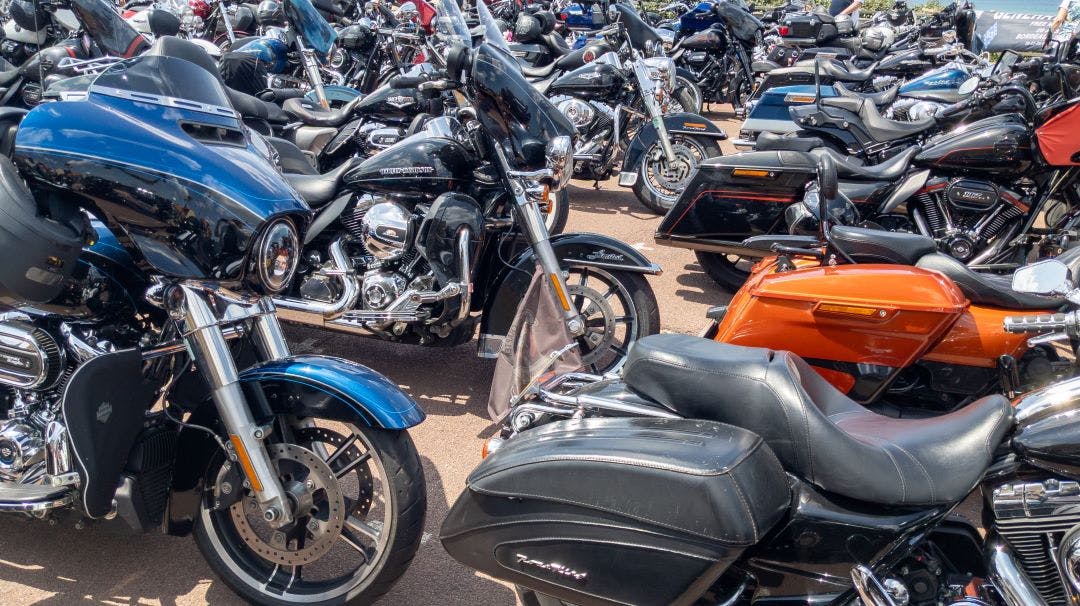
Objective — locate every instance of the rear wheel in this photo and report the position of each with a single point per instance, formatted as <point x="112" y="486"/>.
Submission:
<point x="729" y="271"/>
<point x="619" y="307"/>
<point x="689" y="94"/>
<point x="358" y="501"/>
<point x="660" y="183"/>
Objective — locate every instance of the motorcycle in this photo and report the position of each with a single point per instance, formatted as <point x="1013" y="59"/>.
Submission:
<point x="146" y="376"/>
<point x="443" y="230"/>
<point x="610" y="104"/>
<point x="976" y="191"/>
<point x="715" y="42"/>
<point x="715" y="474"/>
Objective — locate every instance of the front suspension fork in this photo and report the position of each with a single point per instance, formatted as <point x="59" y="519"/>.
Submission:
<point x="206" y="343"/>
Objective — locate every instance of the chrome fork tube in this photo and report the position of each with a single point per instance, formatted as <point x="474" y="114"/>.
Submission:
<point x="208" y="347"/>
<point x="269" y="338"/>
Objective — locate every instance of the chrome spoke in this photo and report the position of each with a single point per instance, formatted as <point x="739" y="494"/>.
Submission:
<point x="358" y="525"/>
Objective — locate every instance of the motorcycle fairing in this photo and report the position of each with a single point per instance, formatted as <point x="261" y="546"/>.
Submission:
<point x="1057" y="139"/>
<point x="677" y="123"/>
<point x="334" y="388"/>
<point x="573" y="250"/>
<point x="104" y="407"/>
<point x="312" y="26"/>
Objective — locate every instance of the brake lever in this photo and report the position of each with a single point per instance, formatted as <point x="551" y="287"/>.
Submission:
<point x="1047" y="338"/>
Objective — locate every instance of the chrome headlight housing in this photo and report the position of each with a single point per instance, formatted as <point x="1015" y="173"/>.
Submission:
<point x="559" y="158"/>
<point x="662" y="71"/>
<point x="277" y="251"/>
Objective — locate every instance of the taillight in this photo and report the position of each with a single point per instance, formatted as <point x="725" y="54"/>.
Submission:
<point x="784" y="30"/>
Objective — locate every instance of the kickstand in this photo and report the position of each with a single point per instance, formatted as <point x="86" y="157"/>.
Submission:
<point x="596" y="185"/>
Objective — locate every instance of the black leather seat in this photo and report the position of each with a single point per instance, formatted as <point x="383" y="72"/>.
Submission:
<point x="317" y="190"/>
<point x="987" y="289"/>
<point x="879" y="246"/>
<point x="555" y="43"/>
<point x="880" y="128"/>
<point x="818" y="433"/>
<point x="291" y="158"/>
<point x="839" y="70"/>
<point x="768" y="141"/>
<point x="539" y="72"/>
<point x="312" y="114"/>
<point x="847" y="167"/>
<point x="877" y="98"/>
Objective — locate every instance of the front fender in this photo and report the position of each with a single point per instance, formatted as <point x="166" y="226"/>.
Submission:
<point x="680" y="123"/>
<point x="573" y="250"/>
<point x="356" y="393"/>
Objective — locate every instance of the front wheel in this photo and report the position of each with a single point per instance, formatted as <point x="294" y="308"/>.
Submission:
<point x="689" y="94"/>
<point x="660" y="183"/>
<point x="619" y="307"/>
<point x="729" y="271"/>
<point x="358" y="502"/>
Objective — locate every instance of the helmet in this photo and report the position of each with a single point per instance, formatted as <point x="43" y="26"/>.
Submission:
<point x="527" y="29"/>
<point x="27" y="15"/>
<point x="356" y="37"/>
<point x="270" y="12"/>
<point x="547" y="21"/>
<point x="42" y="251"/>
<point x="875" y="39"/>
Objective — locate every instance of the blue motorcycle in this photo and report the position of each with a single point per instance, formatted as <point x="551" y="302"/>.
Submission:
<point x="145" y="374"/>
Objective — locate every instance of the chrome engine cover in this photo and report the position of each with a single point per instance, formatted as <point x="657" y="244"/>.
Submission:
<point x="21" y="448"/>
<point x="580" y="113"/>
<point x="385" y="230"/>
<point x="30" y="358"/>
<point x="1038" y="519"/>
<point x="381" y="289"/>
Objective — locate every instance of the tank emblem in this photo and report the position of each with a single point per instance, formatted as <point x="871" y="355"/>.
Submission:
<point x="400" y="101"/>
<point x="557" y="569"/>
<point x="407" y="170"/>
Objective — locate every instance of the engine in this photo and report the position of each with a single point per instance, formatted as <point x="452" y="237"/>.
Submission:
<point x="967" y="216"/>
<point x="596" y="123"/>
<point x="1041" y="522"/>
<point x="913" y="110"/>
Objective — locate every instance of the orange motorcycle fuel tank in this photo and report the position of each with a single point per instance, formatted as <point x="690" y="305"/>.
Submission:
<point x="860" y="326"/>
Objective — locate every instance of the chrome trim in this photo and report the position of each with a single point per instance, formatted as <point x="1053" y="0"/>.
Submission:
<point x="870" y="590"/>
<point x="652" y="268"/>
<point x="464" y="273"/>
<point x="128" y="95"/>
<point x="350" y="291"/>
<point x="1008" y="578"/>
<point x="57" y="453"/>
<point x="1047" y="401"/>
<point x="592" y="402"/>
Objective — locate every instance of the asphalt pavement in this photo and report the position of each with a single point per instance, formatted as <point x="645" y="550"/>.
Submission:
<point x="107" y="564"/>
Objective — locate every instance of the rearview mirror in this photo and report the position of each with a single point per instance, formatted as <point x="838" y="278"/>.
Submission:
<point x="1050" y="277"/>
<point x="968" y="86"/>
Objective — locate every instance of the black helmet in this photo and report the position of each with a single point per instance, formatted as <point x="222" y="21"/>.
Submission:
<point x="270" y="12"/>
<point x="527" y="29"/>
<point x="27" y="15"/>
<point x="163" y="22"/>
<point x="42" y="249"/>
<point x="547" y="21"/>
<point x="357" y="37"/>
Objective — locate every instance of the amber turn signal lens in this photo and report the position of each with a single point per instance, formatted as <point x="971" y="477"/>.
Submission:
<point x="746" y="172"/>
<point x="851" y="310"/>
<point x="559" y="291"/>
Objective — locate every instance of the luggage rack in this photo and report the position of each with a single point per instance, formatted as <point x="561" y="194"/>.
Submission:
<point x="87" y="66"/>
<point x="560" y="396"/>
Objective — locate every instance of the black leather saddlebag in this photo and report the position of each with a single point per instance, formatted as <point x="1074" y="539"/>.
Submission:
<point x="618" y="511"/>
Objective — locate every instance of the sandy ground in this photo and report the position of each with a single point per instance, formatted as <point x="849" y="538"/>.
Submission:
<point x="106" y="564"/>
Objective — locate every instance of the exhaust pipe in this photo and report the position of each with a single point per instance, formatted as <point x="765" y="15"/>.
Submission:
<point x="315" y="313"/>
<point x="1008" y="577"/>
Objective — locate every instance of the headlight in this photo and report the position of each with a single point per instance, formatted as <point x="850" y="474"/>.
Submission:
<point x="276" y="254"/>
<point x="560" y="161"/>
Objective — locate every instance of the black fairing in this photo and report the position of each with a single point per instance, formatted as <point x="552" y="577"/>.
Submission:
<point x="108" y="29"/>
<point x="590" y="81"/>
<point x="437" y="238"/>
<point x="679" y="496"/>
<point x="511" y="109"/>
<point x="416" y="168"/>
<point x="637" y="30"/>
<point x="1000" y="145"/>
<point x="1051" y="442"/>
<point x="387" y="104"/>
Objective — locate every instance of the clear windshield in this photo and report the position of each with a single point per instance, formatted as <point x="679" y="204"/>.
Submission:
<point x="450" y="24"/>
<point x="104" y="24"/>
<point x="492" y="34"/>
<point x="164" y="81"/>
<point x="310" y="24"/>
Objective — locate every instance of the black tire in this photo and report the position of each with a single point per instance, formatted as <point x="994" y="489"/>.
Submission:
<point x="404" y="476"/>
<point x="684" y="86"/>
<point x="649" y="193"/>
<point x="557" y="212"/>
<point x="724" y="270"/>
<point x="685" y="98"/>
<point x="627" y="311"/>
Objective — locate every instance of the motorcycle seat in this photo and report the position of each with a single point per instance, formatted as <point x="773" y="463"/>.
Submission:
<point x="877" y="98"/>
<point x="840" y="70"/>
<point x="555" y="43"/>
<point x="317" y="190"/>
<point x="770" y="141"/>
<point x="888" y="170"/>
<point x="880" y="128"/>
<point x="311" y="114"/>
<point x="878" y="246"/>
<point x="539" y="72"/>
<point x="542" y="85"/>
<point x="990" y="289"/>
<point x="817" y="432"/>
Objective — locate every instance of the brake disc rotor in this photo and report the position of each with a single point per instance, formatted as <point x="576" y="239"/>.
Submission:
<point x="674" y="176"/>
<point x="596" y="338"/>
<point x="318" y="510"/>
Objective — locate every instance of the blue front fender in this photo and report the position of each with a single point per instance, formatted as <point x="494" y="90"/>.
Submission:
<point x="356" y="392"/>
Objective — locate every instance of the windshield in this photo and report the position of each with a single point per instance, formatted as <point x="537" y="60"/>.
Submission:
<point x="639" y="32"/>
<point x="108" y="29"/>
<point x="450" y="24"/>
<point x="164" y="81"/>
<point x="492" y="33"/>
<point x="512" y="110"/>
<point x="310" y="24"/>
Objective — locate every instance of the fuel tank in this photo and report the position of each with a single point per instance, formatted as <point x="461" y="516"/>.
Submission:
<point x="392" y="105"/>
<point x="942" y="85"/>
<point x="591" y="81"/>
<point x="1000" y="145"/>
<point x="1047" y="434"/>
<point x="416" y="168"/>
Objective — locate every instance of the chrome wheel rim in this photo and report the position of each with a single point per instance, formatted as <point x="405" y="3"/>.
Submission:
<point x="611" y="322"/>
<point x="667" y="180"/>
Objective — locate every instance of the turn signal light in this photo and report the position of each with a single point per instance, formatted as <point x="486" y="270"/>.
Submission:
<point x="746" y="172"/>
<point x="851" y="310"/>
<point x="490" y="446"/>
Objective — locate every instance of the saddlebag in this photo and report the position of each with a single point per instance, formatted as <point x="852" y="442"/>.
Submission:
<point x="618" y="511"/>
<point x="809" y="28"/>
<point x="734" y="197"/>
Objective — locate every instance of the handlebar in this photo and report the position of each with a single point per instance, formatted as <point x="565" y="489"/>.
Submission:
<point x="1043" y="323"/>
<point x="407" y="81"/>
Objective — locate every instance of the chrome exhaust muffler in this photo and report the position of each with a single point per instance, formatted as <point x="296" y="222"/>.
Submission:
<point x="1008" y="577"/>
<point x="317" y="313"/>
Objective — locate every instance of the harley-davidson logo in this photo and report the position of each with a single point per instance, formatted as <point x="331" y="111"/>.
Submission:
<point x="558" y="569"/>
<point x="407" y="170"/>
<point x="104" y="412"/>
<point x="400" y="101"/>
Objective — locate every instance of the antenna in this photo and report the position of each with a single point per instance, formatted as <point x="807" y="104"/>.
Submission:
<point x="41" y="65"/>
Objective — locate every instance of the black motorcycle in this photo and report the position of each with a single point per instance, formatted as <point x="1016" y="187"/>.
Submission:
<point x="443" y="231"/>
<point x="719" y="57"/>
<point x="716" y="474"/>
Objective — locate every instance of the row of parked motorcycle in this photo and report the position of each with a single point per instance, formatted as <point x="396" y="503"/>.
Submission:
<point x="171" y="196"/>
